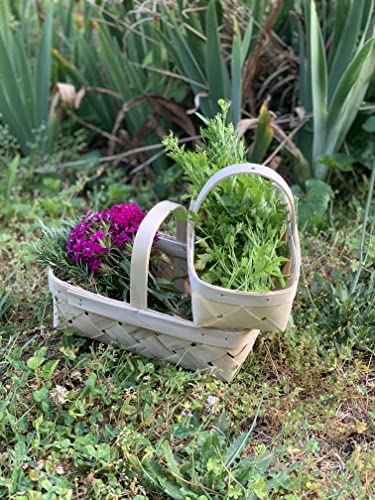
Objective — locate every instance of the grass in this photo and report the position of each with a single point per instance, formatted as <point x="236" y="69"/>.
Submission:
<point x="80" y="419"/>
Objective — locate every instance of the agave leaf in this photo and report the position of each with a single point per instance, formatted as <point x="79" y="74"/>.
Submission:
<point x="340" y="17"/>
<point x="318" y="72"/>
<point x="43" y="70"/>
<point x="349" y="95"/>
<point x="346" y="46"/>
<point x="369" y="24"/>
<point x="11" y="103"/>
<point x="335" y="100"/>
<point x="246" y="42"/>
<point x="26" y="80"/>
<point x="217" y="76"/>
<point x="236" y="73"/>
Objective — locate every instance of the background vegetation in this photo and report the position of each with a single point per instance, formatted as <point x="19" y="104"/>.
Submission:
<point x="88" y="90"/>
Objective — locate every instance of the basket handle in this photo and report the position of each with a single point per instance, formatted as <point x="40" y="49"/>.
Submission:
<point x="142" y="245"/>
<point x="252" y="168"/>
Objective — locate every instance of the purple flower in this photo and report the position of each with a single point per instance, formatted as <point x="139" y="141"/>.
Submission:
<point x="91" y="239"/>
<point x="124" y="222"/>
<point x="211" y="400"/>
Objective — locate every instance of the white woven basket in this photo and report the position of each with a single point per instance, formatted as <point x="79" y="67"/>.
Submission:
<point x="214" y="306"/>
<point x="142" y="330"/>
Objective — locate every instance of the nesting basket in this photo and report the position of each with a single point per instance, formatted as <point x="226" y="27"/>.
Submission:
<point x="226" y="322"/>
<point x="142" y="330"/>
<point x="218" y="307"/>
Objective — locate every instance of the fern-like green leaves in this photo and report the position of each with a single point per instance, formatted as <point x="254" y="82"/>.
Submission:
<point x="239" y="237"/>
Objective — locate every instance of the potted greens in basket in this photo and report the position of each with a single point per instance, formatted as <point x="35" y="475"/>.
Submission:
<point x="243" y="248"/>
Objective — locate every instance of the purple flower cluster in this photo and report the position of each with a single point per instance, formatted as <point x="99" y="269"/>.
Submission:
<point x="91" y="239"/>
<point x="124" y="222"/>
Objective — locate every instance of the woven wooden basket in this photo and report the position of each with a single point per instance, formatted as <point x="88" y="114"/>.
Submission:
<point x="142" y="330"/>
<point x="218" y="307"/>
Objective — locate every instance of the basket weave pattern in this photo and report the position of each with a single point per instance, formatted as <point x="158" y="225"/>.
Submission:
<point x="146" y="342"/>
<point x="214" y="313"/>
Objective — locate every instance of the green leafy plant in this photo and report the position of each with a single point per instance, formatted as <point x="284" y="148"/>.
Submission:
<point x="120" y="78"/>
<point x="211" y="467"/>
<point x="333" y="82"/>
<point x="192" y="38"/>
<point x="25" y="84"/>
<point x="239" y="237"/>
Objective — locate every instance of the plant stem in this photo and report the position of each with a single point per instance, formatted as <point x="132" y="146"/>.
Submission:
<point x="363" y="235"/>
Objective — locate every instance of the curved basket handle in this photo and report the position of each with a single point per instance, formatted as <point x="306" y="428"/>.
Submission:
<point x="142" y="245"/>
<point x="252" y="168"/>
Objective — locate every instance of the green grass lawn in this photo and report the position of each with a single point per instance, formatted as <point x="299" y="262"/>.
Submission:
<point x="80" y="419"/>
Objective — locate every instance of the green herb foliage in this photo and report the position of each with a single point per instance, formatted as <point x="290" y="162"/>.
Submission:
<point x="240" y="234"/>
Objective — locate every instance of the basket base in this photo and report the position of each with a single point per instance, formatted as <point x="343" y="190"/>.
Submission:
<point x="224" y="362"/>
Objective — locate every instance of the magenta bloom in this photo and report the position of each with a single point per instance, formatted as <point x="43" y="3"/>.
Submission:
<point x="124" y="222"/>
<point x="91" y="239"/>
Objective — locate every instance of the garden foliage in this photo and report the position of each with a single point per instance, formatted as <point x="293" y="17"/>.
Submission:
<point x="80" y="419"/>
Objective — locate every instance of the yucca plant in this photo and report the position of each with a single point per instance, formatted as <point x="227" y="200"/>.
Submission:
<point x="77" y="62"/>
<point x="334" y="80"/>
<point x="192" y="39"/>
<point x="25" y="77"/>
<point x="163" y="48"/>
<point x="121" y="67"/>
